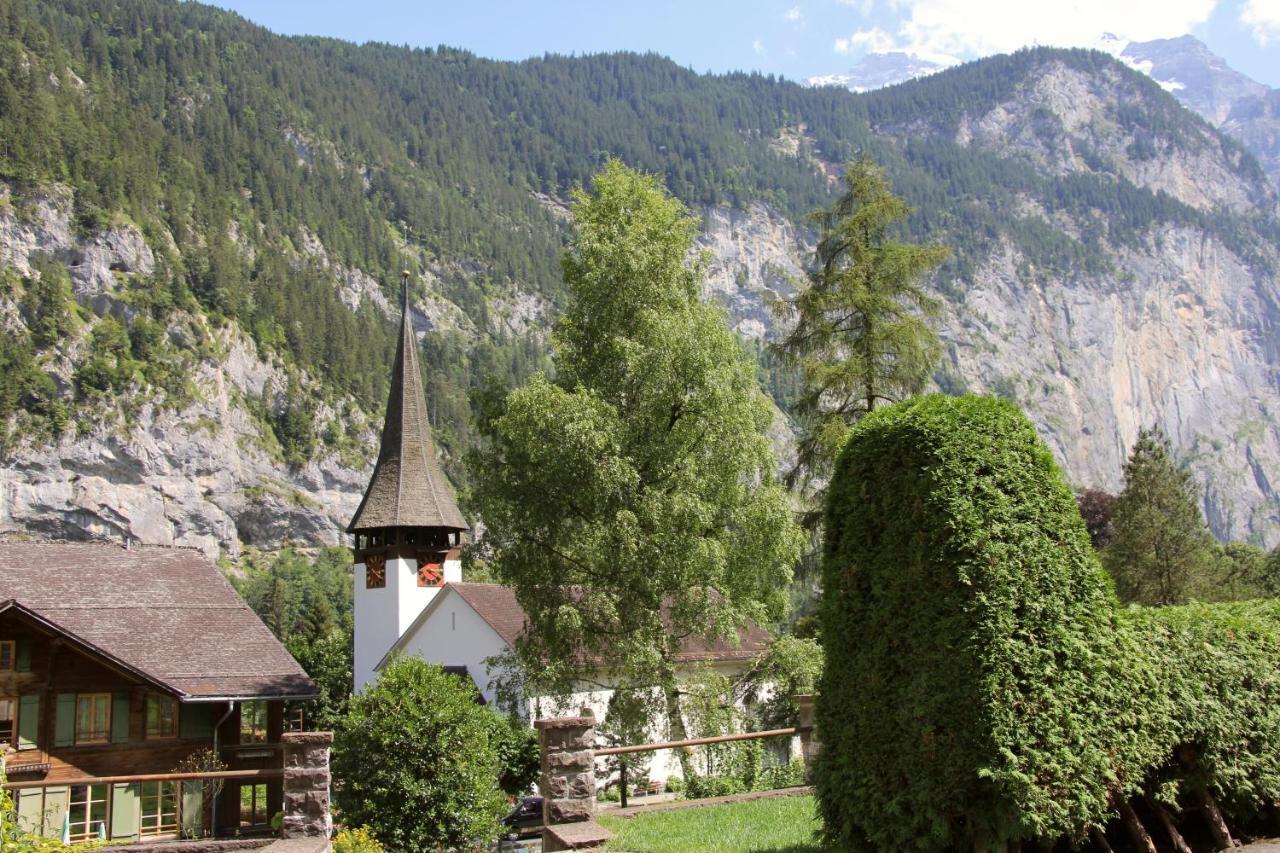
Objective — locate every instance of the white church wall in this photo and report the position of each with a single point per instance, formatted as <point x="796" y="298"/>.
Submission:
<point x="455" y="635"/>
<point x="383" y="614"/>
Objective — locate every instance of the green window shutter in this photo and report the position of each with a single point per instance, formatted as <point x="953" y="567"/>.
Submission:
<point x="120" y="717"/>
<point x="29" y="721"/>
<point x="56" y="803"/>
<point x="64" y="723"/>
<point x="30" y="805"/>
<point x="22" y="656"/>
<point x="195" y="721"/>
<point x="125" y="814"/>
<point x="192" y="809"/>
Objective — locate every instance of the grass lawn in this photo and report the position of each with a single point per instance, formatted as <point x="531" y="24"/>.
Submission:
<point x="775" y="825"/>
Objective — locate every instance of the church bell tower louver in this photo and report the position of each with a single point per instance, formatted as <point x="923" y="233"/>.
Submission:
<point x="408" y="527"/>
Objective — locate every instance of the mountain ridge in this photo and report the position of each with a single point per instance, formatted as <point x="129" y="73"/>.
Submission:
<point x="299" y="175"/>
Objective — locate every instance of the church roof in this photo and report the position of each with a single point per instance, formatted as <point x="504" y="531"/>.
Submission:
<point x="165" y="615"/>
<point x="407" y="489"/>
<point x="497" y="606"/>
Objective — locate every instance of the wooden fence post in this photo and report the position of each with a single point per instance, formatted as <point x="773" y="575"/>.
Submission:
<point x="810" y="743"/>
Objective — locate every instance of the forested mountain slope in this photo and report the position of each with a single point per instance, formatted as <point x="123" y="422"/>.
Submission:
<point x="201" y="223"/>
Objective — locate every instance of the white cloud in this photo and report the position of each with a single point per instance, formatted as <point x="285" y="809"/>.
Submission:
<point x="1262" y="17"/>
<point x="758" y="47"/>
<point x="937" y="29"/>
<point x="874" y="40"/>
<point x="793" y="15"/>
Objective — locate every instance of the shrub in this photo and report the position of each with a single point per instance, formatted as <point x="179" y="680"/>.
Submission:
<point x="518" y="753"/>
<point x="417" y="761"/>
<point x="357" y="840"/>
<point x="993" y="689"/>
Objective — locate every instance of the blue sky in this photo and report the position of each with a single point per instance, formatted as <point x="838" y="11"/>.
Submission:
<point x="792" y="38"/>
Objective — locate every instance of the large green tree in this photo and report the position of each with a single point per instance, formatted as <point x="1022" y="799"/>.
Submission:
<point x="1161" y="550"/>
<point x="631" y="500"/>
<point x="862" y="332"/>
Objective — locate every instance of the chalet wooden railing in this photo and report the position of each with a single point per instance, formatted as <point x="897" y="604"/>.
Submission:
<point x="269" y="773"/>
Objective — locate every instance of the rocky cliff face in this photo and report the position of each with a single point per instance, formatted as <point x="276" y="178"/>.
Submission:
<point x="1183" y="336"/>
<point x="203" y="470"/>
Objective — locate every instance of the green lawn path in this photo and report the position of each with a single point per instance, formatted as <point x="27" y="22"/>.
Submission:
<point x="774" y="825"/>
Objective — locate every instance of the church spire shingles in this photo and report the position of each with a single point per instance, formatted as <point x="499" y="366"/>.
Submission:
<point x="407" y="489"/>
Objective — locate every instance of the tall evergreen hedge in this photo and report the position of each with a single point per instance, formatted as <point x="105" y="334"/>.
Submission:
<point x="982" y="683"/>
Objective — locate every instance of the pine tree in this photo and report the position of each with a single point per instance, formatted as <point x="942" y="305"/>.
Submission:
<point x="862" y="333"/>
<point x="1161" y="550"/>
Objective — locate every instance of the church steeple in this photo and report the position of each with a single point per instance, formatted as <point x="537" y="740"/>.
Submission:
<point x="407" y="489"/>
<point x="408" y="527"/>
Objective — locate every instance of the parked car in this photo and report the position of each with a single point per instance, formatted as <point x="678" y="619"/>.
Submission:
<point x="525" y="818"/>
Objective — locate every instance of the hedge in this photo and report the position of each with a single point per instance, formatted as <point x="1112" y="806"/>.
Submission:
<point x="982" y="683"/>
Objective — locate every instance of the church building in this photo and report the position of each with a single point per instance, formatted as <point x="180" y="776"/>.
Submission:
<point x="410" y="596"/>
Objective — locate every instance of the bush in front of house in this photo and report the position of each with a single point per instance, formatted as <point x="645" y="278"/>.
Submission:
<point x="417" y="761"/>
<point x="982" y="684"/>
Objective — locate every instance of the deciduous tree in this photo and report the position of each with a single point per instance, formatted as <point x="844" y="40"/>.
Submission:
<point x="631" y="500"/>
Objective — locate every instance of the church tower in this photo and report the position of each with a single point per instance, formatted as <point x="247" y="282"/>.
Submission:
<point x="407" y="528"/>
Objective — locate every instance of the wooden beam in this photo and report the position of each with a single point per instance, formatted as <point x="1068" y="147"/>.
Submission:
<point x="271" y="773"/>
<point x="677" y="744"/>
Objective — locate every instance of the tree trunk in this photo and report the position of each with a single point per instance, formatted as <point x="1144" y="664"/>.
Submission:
<point x="1100" y="840"/>
<point x="675" y="721"/>
<point x="1217" y="826"/>
<point x="1170" y="827"/>
<point x="1141" y="838"/>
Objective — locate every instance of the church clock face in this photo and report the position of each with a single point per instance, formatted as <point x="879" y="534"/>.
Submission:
<point x="430" y="569"/>
<point x="375" y="571"/>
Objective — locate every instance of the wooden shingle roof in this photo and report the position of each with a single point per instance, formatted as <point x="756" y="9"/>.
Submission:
<point x="407" y="489"/>
<point x="166" y="613"/>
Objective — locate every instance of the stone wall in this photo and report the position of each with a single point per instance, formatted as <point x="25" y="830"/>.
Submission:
<point x="568" y="781"/>
<point x="306" y="785"/>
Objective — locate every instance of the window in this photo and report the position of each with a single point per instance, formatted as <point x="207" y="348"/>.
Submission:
<point x="88" y="811"/>
<point x="162" y="716"/>
<point x="8" y="655"/>
<point x="253" y="805"/>
<point x="158" y="803"/>
<point x="93" y="718"/>
<point x="375" y="571"/>
<point x="8" y="720"/>
<point x="253" y="722"/>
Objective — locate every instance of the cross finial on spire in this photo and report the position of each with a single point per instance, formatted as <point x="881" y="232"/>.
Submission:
<point x="404" y="291"/>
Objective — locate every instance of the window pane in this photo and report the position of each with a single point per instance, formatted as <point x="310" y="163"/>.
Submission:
<point x="6" y="655"/>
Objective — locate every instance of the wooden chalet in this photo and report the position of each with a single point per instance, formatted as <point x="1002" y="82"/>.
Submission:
<point x="125" y="662"/>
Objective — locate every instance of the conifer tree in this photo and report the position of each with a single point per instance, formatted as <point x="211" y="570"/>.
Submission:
<point x="1161" y="551"/>
<point x="862" y="334"/>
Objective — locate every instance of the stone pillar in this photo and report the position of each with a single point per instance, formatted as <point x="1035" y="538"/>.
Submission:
<point x="568" y="783"/>
<point x="810" y="744"/>
<point x="306" y="784"/>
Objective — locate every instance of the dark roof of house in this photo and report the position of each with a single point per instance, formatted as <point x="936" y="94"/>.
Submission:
<point x="497" y="606"/>
<point x="166" y="614"/>
<point x="407" y="489"/>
